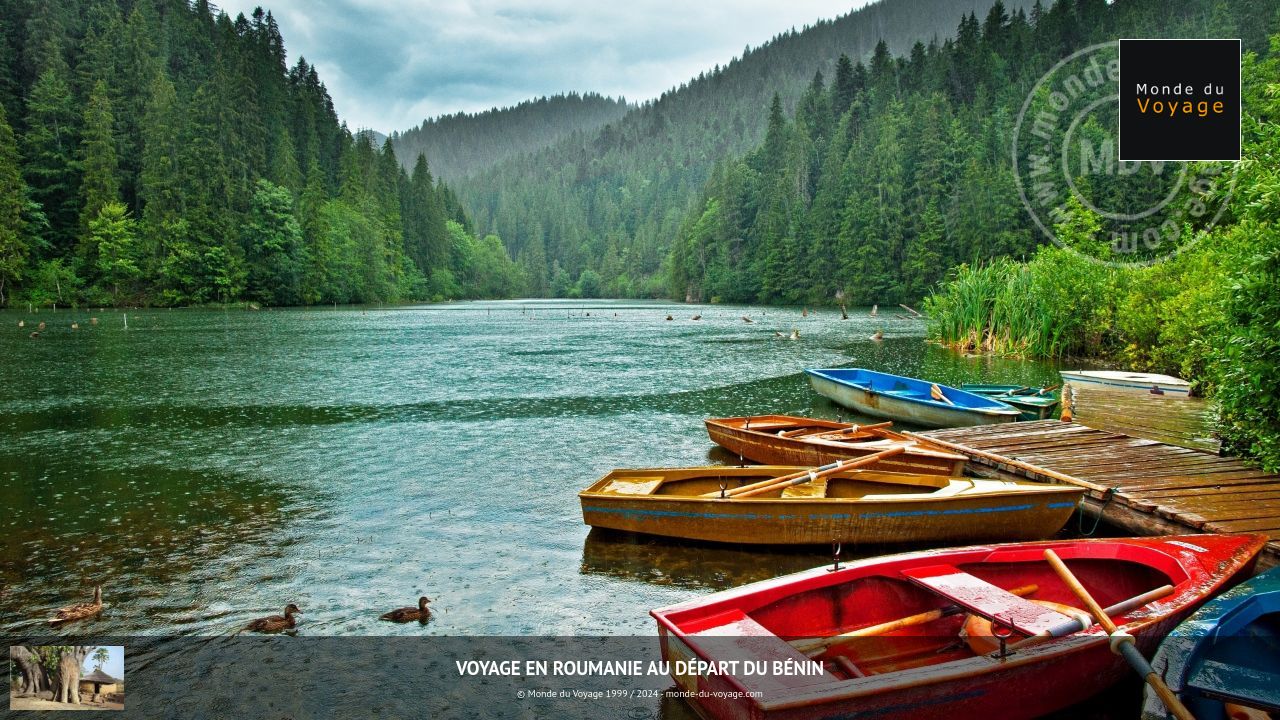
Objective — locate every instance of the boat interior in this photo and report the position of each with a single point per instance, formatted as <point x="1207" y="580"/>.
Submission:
<point x="1242" y="663"/>
<point x="696" y="482"/>
<point x="919" y="390"/>
<point x="811" y="429"/>
<point x="1019" y="586"/>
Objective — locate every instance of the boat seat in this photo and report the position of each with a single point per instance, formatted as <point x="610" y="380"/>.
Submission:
<point x="771" y="425"/>
<point x="812" y="489"/>
<point x="1247" y="686"/>
<point x="992" y="602"/>
<point x="734" y="635"/>
<point x="637" y="485"/>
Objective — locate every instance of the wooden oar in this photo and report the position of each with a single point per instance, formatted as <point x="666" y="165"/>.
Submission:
<point x="1047" y="390"/>
<point x="859" y="428"/>
<point x="1121" y="643"/>
<point x="793" y="433"/>
<point x="1084" y="622"/>
<point x="807" y="475"/>
<point x="935" y="392"/>
<point x="813" y="646"/>
<point x="763" y="483"/>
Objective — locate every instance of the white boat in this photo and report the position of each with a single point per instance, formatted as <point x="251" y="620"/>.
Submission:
<point x="1121" y="380"/>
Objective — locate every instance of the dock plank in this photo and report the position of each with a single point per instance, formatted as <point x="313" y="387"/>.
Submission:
<point x="1180" y="421"/>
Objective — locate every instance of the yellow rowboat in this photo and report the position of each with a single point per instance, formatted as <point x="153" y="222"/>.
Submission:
<point x="849" y="506"/>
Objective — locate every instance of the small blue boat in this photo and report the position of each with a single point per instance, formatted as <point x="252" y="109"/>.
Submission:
<point x="1224" y="661"/>
<point x="908" y="399"/>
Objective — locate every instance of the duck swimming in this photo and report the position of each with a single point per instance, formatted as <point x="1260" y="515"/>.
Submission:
<point x="276" y="623"/>
<point x="409" y="614"/>
<point x="79" y="611"/>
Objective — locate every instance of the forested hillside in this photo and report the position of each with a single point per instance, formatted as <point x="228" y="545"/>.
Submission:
<point x="1208" y="314"/>
<point x="891" y="173"/>
<point x="463" y="144"/>
<point x="613" y="200"/>
<point x="159" y="152"/>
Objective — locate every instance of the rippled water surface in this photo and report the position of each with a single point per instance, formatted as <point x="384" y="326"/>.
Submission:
<point x="207" y="466"/>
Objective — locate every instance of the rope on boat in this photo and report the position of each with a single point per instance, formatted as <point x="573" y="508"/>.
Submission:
<point x="1109" y="495"/>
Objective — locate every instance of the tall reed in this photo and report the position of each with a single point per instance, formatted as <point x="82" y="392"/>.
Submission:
<point x="1052" y="306"/>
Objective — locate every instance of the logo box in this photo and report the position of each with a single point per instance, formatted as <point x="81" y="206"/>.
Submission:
<point x="1179" y="100"/>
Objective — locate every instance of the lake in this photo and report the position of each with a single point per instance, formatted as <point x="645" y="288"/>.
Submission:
<point x="207" y="467"/>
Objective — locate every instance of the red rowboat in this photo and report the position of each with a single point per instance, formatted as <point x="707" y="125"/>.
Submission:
<point x="792" y="440"/>
<point x="769" y="649"/>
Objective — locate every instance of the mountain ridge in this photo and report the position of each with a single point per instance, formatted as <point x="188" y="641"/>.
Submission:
<point x="614" y="198"/>
<point x="461" y="144"/>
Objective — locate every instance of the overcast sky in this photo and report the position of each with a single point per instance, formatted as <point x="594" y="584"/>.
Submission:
<point x="389" y="65"/>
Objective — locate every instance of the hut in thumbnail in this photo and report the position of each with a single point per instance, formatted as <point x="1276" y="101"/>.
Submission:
<point x="99" y="684"/>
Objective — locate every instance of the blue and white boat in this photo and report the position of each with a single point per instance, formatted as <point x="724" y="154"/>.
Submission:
<point x="907" y="399"/>
<point x="1224" y="661"/>
<point x="1133" y="381"/>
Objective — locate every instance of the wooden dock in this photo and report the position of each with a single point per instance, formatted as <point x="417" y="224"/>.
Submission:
<point x="1140" y="484"/>
<point x="1182" y="421"/>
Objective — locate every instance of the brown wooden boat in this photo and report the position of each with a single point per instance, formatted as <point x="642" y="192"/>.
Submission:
<point x="850" y="506"/>
<point x="791" y="440"/>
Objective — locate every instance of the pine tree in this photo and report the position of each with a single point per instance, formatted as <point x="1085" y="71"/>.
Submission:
<point x="13" y="199"/>
<point x="139" y="64"/>
<point x="100" y="184"/>
<point x="49" y="149"/>
<point x="426" y="239"/>
<point x="845" y="88"/>
<point x="113" y="235"/>
<point x="272" y="240"/>
<point x="160" y="181"/>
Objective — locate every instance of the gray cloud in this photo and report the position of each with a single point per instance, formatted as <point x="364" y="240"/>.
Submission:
<point x="389" y="66"/>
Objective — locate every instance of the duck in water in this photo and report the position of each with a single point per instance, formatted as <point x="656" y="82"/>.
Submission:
<point x="276" y="623"/>
<point x="409" y="614"/>
<point x="79" y="611"/>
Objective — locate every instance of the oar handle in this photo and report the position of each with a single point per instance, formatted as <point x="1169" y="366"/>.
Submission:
<point x="935" y="392"/>
<point x="1121" y="643"/>
<point x="1079" y="591"/>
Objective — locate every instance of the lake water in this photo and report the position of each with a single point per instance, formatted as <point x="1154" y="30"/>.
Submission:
<point x="207" y="467"/>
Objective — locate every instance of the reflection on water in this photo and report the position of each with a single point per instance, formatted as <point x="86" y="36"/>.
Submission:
<point x="696" y="566"/>
<point x="207" y="467"/>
